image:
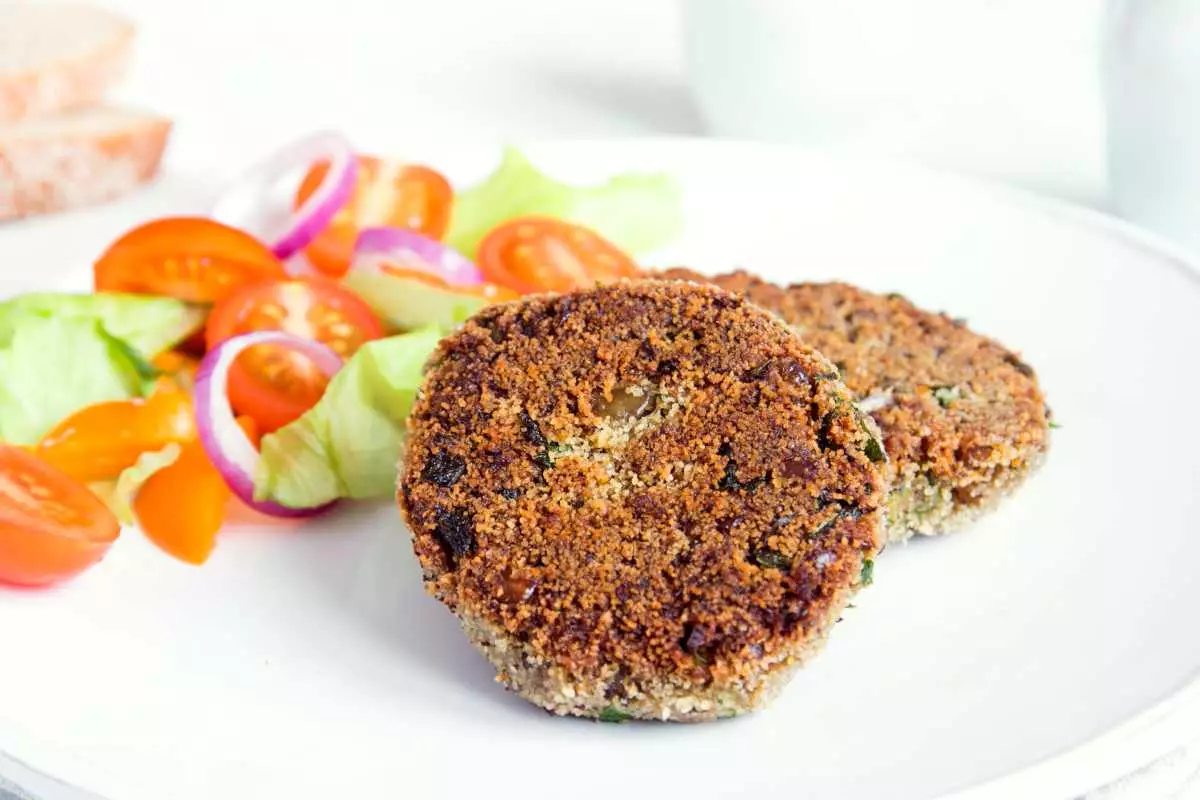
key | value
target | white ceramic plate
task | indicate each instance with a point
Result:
(308, 663)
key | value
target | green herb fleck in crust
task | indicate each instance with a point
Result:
(873, 448)
(867, 576)
(611, 714)
(945, 395)
(772, 559)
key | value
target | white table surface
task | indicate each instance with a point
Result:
(245, 75)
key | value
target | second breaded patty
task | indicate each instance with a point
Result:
(644, 500)
(963, 418)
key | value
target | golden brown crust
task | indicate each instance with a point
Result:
(649, 482)
(963, 417)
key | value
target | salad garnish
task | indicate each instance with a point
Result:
(229, 448)
(271, 351)
(247, 202)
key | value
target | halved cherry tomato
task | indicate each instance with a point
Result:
(275, 385)
(535, 254)
(385, 193)
(97, 442)
(191, 258)
(51, 526)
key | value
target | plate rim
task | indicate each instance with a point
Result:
(1173, 722)
(1118, 752)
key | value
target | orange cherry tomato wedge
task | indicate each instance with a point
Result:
(535, 254)
(385, 193)
(275, 385)
(98, 442)
(182, 506)
(51, 526)
(190, 258)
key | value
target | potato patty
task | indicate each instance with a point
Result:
(644, 500)
(963, 418)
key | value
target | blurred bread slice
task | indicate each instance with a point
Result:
(78, 158)
(57, 57)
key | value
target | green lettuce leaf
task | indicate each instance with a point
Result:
(149, 325)
(348, 443)
(121, 493)
(52, 367)
(407, 304)
(636, 212)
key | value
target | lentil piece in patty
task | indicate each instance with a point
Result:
(963, 418)
(665, 503)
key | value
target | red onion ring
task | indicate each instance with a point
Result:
(227, 446)
(260, 201)
(298, 266)
(409, 250)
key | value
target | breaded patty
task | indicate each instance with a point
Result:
(963, 418)
(645, 500)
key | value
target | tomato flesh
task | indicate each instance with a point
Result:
(193, 259)
(275, 385)
(181, 508)
(386, 193)
(51, 526)
(98, 442)
(534, 254)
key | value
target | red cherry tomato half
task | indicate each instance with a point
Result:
(51, 526)
(274, 385)
(533, 254)
(191, 258)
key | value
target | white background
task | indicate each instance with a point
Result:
(255, 72)
(396, 73)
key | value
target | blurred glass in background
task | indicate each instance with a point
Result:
(1007, 89)
(1152, 78)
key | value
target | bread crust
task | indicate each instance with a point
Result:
(70, 169)
(66, 83)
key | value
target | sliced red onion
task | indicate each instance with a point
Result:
(298, 266)
(227, 446)
(260, 201)
(411, 251)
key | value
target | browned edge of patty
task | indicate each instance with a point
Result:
(651, 494)
(964, 419)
